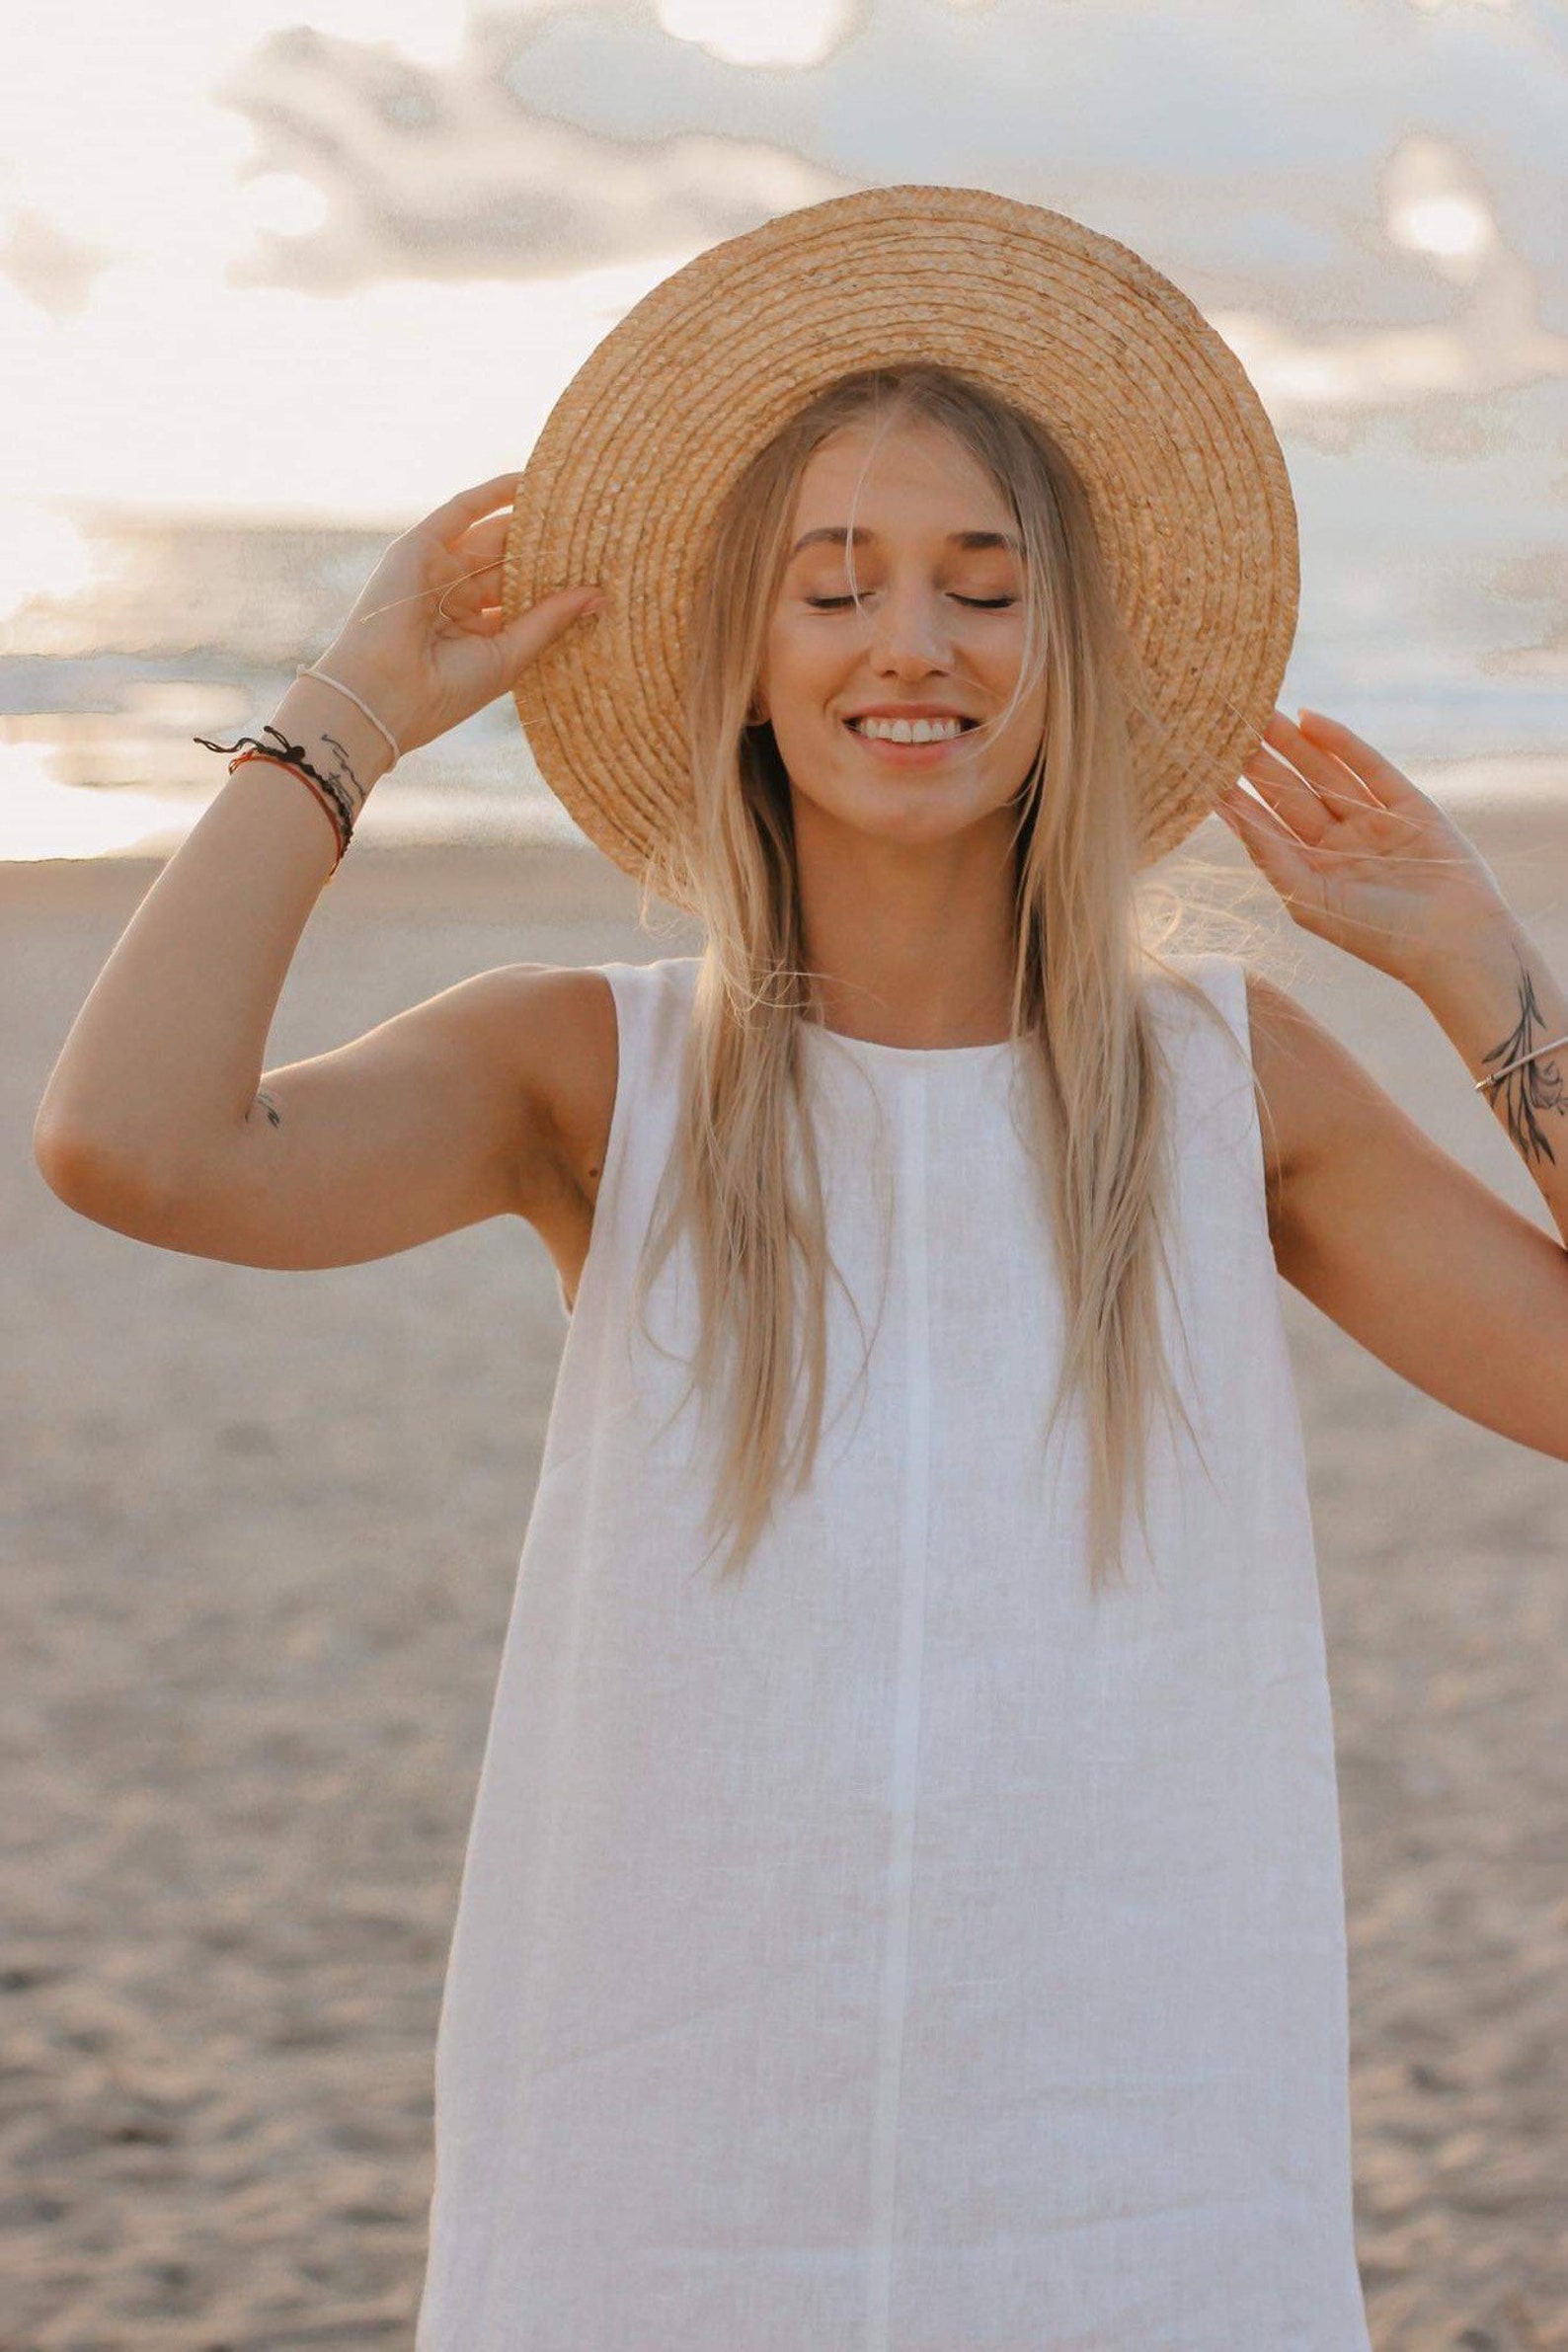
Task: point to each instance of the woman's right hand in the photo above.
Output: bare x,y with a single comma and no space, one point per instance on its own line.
423,671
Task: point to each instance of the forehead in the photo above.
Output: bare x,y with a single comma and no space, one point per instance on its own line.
916,468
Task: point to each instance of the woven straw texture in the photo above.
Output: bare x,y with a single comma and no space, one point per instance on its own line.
1186,478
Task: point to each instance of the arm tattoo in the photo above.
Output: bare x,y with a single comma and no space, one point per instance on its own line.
269,1106
1534,1086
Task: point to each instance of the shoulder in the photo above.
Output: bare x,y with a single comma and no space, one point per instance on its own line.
558,1032
553,1037
1307,1086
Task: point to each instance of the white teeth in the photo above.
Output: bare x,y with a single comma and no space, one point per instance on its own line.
902,731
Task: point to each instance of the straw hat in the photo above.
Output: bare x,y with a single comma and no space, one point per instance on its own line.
1186,479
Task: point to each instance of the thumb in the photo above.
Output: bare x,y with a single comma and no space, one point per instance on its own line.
525,639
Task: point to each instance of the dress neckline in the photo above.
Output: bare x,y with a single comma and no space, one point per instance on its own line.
915,1055
892,1055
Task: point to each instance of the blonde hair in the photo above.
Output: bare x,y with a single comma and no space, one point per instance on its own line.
1099,1081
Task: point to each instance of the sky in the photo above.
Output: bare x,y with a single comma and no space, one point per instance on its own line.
328,267
337,267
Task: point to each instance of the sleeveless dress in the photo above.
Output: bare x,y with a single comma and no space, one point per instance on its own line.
894,1949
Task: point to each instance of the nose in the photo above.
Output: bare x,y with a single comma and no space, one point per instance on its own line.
911,632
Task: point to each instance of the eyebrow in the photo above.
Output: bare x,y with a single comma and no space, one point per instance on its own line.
836,531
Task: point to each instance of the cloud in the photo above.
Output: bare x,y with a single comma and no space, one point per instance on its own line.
1383,246
55,270
444,173
1355,267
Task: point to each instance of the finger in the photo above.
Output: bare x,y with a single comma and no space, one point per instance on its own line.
1293,799
1337,785
1346,797
1272,847
522,640
1382,780
447,522
1258,825
485,540
471,594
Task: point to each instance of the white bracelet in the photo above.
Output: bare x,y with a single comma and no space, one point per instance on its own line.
306,671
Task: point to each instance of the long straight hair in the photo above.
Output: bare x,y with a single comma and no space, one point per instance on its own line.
744,1178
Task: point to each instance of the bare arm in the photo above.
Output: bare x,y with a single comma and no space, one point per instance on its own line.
1403,1248
164,1059
156,1101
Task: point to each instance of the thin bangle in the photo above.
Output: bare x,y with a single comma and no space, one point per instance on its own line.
1533,1054
307,669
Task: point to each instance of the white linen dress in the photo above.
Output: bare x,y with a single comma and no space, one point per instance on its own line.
899,1950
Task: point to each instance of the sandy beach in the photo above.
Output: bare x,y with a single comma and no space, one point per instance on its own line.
260,1535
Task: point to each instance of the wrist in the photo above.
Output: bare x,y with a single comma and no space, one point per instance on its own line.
336,736
1495,998
1478,957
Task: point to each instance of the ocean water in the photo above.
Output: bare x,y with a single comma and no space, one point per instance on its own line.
187,627
1434,630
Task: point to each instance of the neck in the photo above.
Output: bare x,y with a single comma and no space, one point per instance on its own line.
909,944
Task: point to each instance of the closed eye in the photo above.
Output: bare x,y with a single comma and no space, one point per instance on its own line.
980,603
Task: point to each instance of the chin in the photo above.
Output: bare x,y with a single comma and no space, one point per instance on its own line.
915,827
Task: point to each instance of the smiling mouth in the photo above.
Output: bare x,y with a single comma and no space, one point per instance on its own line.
894,747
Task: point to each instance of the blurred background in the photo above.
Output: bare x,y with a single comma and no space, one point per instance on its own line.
272,286
269,290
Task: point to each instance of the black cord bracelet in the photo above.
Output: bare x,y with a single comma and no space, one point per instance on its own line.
294,755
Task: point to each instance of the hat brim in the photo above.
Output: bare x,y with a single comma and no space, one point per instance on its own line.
1186,478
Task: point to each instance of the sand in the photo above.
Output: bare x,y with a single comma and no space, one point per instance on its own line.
261,1533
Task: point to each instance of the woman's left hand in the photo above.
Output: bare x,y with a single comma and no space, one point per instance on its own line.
1358,854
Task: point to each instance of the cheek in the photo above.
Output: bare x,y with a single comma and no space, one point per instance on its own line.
1005,652
1005,677
798,674
780,652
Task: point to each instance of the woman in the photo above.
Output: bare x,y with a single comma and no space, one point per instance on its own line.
927,1933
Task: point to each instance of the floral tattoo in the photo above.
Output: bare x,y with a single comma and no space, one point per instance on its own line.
1534,1086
